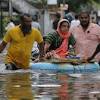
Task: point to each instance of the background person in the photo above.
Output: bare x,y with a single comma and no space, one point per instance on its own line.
75,22
87,36
35,23
56,20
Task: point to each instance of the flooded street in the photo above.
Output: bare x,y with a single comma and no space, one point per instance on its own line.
49,86
52,50
31,85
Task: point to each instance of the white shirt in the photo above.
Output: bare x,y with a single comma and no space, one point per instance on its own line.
74,23
36,25
10,25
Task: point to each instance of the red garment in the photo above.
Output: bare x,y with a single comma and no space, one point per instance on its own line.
62,51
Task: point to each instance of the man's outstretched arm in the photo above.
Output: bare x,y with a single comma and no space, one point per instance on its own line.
41,49
2,46
95,53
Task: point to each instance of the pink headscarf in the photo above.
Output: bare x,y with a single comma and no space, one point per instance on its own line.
62,51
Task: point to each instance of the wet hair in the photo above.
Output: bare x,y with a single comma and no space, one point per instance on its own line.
58,15
25,28
84,12
23,15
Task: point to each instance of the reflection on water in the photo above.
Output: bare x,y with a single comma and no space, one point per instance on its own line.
18,87
49,86
87,87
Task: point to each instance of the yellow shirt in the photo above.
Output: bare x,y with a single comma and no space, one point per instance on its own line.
19,50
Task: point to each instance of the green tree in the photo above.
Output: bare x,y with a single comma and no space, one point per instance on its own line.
75,5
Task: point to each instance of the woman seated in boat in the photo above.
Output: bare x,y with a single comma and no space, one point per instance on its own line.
57,42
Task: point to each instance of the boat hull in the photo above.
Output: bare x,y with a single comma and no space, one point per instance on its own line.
68,68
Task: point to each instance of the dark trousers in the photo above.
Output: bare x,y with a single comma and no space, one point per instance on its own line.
11,66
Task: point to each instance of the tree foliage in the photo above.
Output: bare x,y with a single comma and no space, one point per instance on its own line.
74,5
77,5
